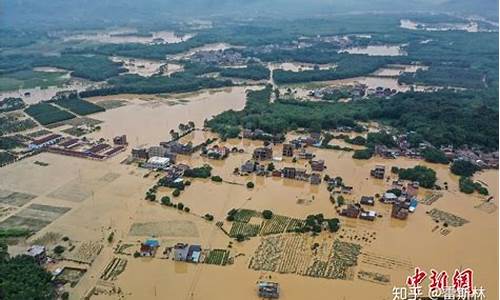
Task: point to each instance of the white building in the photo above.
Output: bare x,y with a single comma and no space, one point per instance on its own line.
157,162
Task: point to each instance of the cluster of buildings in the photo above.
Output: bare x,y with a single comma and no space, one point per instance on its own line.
313,139
403,204
378,172
187,253
381,92
259,134
475,156
76,147
354,92
358,211
226,57
168,150
253,166
404,148
216,152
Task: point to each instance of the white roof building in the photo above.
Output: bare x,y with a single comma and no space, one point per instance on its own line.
157,162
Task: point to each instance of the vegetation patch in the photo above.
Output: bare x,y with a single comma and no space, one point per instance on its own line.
46,113
447,218
78,106
217,257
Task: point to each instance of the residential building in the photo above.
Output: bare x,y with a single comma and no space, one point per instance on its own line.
399,211
157,162
315,178
389,198
139,153
217,152
287,150
248,167
120,140
157,151
181,251
193,254
301,174
378,172
149,247
289,172
38,252
346,189
351,211
369,215
263,153
318,165
367,200
303,154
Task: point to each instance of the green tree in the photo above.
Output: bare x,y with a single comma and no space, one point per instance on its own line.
423,175
463,168
165,200
22,278
434,155
267,214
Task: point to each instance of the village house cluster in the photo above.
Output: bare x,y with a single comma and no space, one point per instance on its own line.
226,57
403,148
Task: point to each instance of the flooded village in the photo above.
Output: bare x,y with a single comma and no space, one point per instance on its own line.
191,208
229,186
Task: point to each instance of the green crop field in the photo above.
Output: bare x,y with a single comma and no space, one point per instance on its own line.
79,106
46,113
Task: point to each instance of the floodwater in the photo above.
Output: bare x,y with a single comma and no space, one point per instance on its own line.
154,116
114,206
412,25
298,67
129,36
145,67
396,70
119,204
35,95
382,50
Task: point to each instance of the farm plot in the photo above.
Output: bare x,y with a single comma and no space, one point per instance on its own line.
217,257
34,217
79,106
244,215
345,257
297,254
250,223
244,229
431,197
446,217
280,224
11,124
85,252
46,113
384,261
114,268
78,190
178,228
71,275
15,198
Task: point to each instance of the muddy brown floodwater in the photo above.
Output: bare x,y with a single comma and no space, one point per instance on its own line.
108,196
